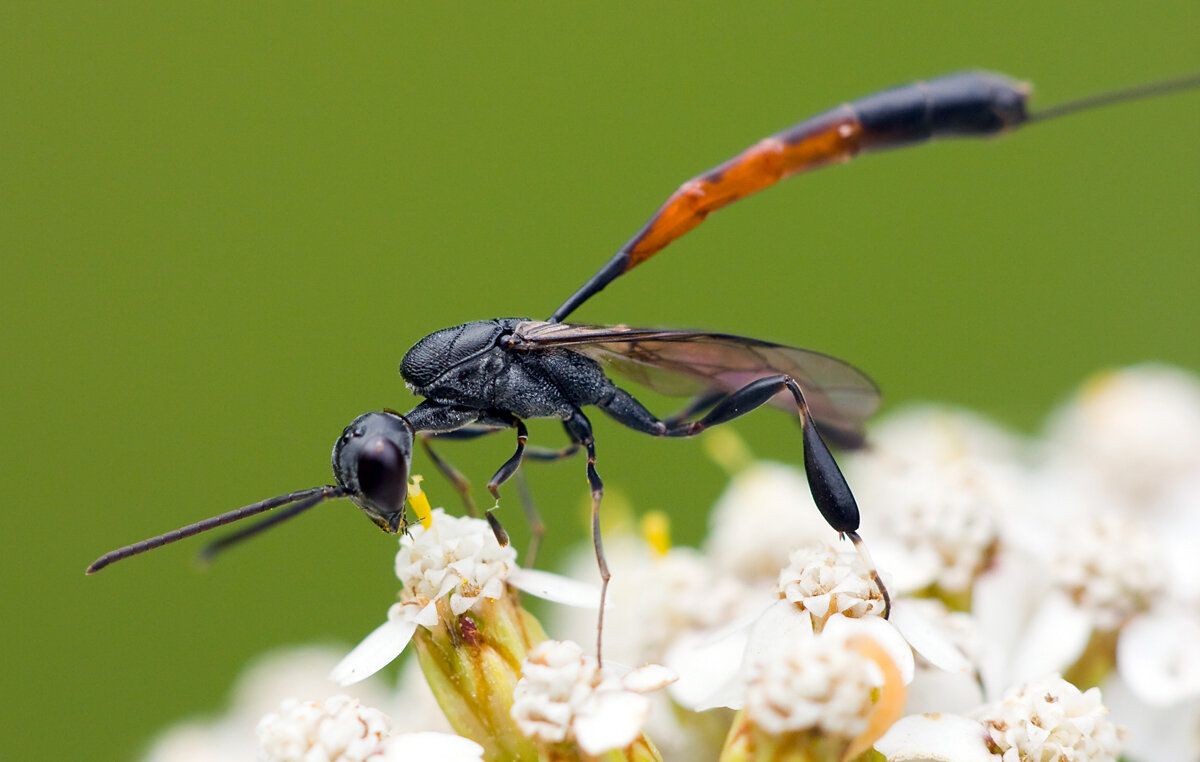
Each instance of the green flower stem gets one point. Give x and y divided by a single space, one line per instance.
472 663
747 742
640 750
1096 662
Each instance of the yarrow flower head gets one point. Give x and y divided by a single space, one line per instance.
938 481
1110 568
266 682
340 729
1066 606
1137 429
1047 720
1051 719
563 698
822 686
470 631
943 517
828 697
819 586
457 564
824 582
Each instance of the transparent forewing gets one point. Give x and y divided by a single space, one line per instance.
682 363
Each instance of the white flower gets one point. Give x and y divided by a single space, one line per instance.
1049 720
934 487
766 512
819 684
457 559
1158 656
418 747
1137 429
937 688
656 597
827 696
820 585
1110 567
341 729
1043 606
936 738
338 729
942 517
823 582
562 695
264 684
1154 732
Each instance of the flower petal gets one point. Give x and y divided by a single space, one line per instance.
1054 638
428 745
708 669
926 640
881 631
1155 732
780 625
1158 658
426 616
613 721
936 737
648 678
375 652
933 690
556 588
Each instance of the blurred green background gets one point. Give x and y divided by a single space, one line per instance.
221 225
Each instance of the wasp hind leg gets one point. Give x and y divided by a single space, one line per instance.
829 489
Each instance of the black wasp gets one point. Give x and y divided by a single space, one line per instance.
489 376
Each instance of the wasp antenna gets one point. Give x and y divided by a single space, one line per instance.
1124 95
212 549
216 521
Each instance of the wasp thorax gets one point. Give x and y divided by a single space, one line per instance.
371 459
441 350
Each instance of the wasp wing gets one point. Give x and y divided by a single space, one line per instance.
682 363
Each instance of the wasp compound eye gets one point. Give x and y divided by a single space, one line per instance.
383 475
371 462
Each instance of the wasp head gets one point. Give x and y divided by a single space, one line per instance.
371 461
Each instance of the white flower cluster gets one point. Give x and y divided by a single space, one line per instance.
338 729
459 559
821 685
563 695
935 487
945 515
824 582
455 558
1110 568
1051 719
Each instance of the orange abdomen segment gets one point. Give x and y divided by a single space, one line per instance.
827 139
